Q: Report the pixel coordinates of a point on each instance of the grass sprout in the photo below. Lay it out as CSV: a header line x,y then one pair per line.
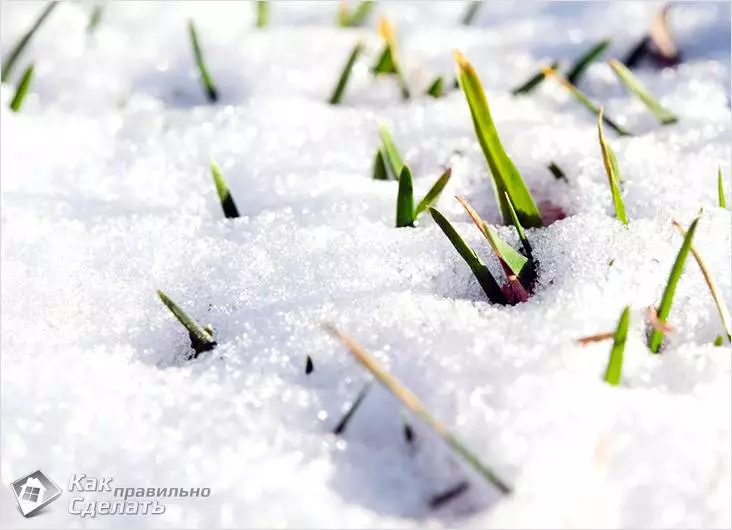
x,y
309,367
414,405
389,57
434,193
615,363
718,340
348,416
95,18
534,81
635,87
506,177
22,89
208,84
436,89
557,171
656,336
222,189
713,289
201,337
262,7
470,12
11,59
582,98
340,87
578,69
388,163
406,212
519,229
610,162
720,189
356,18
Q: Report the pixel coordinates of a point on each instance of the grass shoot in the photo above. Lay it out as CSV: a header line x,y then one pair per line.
x,y
578,69
610,162
470,12
720,189
262,7
348,416
615,363
358,17
534,81
388,163
22,89
309,367
340,87
557,171
407,213
11,59
436,89
638,89
95,17
222,189
208,84
392,65
201,337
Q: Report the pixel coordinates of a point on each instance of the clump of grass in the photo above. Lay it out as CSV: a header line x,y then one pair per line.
x,y
615,363
348,416
262,7
557,171
388,163
635,87
356,18
656,336
211,93
506,178
720,189
414,405
658,44
436,88
610,162
11,59
95,18
222,189
582,98
583,62
309,367
201,337
22,89
470,12
406,212
388,62
340,87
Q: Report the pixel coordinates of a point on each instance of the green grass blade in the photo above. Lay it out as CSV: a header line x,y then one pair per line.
x,y
390,153
360,14
10,60
673,280
436,89
384,64
480,271
724,315
470,12
519,229
340,88
222,189
611,168
22,89
615,363
718,340
405,199
95,18
582,98
533,82
201,338
388,34
348,416
208,84
638,89
379,172
506,177
720,189
262,7
414,405
434,193
580,66
557,171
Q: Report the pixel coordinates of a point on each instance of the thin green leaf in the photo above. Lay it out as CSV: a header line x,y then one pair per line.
x,y
615,363
533,82
22,89
262,7
480,271
506,177
405,199
222,189
470,12
11,58
434,193
95,18
557,172
436,89
384,64
390,153
720,189
638,89
667,299
201,338
380,172
413,404
580,66
340,88
208,84
348,416
724,315
582,98
610,162
386,30
519,229
359,15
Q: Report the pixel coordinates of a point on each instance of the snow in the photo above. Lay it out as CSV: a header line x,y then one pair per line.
x,y
106,196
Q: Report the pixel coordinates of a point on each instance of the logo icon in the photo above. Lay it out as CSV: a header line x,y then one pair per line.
x,y
34,491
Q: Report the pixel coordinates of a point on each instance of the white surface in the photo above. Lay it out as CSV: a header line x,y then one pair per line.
x,y
106,196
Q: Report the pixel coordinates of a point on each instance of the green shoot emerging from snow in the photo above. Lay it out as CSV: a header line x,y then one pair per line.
x,y
309,367
201,338
557,171
578,68
388,62
414,405
506,177
407,213
95,18
638,89
610,162
582,98
667,299
388,163
10,60
262,7
227,201
348,416
533,82
206,79
519,229
720,189
615,363
22,89
340,88
359,15
437,89
470,12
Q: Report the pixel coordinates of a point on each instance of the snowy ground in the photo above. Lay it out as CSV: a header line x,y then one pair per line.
x,y
106,196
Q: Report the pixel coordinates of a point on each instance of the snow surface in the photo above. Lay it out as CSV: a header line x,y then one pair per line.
x,y
106,196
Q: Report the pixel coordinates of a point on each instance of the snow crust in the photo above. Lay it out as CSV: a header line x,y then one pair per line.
x,y
106,196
